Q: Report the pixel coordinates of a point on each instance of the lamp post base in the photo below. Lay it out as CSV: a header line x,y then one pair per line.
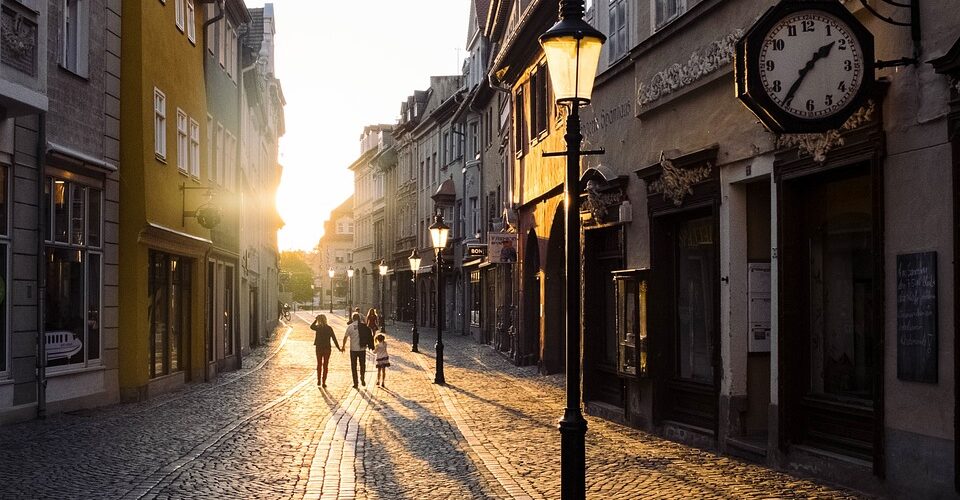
x,y
416,339
438,377
573,430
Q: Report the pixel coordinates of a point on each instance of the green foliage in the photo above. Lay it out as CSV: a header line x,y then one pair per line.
x,y
296,276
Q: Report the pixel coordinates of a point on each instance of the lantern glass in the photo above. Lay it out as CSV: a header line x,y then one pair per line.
x,y
330,272
383,268
573,65
414,261
350,272
439,233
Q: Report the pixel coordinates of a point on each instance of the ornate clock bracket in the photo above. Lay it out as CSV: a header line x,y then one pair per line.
x,y
913,24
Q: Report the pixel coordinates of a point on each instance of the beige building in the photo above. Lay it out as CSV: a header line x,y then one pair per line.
x,y
369,213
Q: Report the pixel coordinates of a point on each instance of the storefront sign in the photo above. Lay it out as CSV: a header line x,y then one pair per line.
x,y
476,251
502,247
917,317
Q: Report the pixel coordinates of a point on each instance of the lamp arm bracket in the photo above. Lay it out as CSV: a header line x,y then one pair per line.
x,y
548,154
913,24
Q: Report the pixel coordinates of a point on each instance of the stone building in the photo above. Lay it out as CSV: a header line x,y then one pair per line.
x,y
261,126
81,205
772,270
369,212
335,251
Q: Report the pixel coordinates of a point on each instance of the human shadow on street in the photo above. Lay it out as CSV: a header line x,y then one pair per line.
x,y
422,435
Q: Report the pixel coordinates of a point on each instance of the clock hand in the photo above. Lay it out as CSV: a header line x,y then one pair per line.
x,y
819,54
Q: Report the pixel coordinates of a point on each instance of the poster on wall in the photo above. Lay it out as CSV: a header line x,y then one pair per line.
x,y
917,317
759,307
501,247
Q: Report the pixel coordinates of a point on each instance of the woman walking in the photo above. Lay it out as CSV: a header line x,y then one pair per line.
x,y
321,342
373,321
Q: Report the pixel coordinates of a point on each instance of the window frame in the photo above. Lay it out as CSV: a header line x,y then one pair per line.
x,y
657,23
183,160
194,155
180,15
160,124
191,21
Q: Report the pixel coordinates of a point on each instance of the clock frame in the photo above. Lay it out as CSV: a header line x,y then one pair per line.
x,y
749,82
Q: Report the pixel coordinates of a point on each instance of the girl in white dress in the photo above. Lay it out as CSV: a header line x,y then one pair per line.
x,y
383,359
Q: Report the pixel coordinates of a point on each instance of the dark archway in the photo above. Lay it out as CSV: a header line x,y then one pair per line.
x,y
553,338
528,344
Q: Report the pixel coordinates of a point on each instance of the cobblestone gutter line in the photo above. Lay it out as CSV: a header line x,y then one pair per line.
x,y
333,470
165,475
517,487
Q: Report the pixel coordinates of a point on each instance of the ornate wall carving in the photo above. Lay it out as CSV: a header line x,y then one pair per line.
x,y
818,145
18,41
700,64
676,183
600,202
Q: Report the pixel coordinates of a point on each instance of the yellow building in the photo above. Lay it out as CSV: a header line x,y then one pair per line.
x,y
163,245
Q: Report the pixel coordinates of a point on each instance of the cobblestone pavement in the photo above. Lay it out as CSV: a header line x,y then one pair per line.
x,y
267,431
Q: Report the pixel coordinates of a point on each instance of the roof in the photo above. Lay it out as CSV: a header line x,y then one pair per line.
x,y
255,31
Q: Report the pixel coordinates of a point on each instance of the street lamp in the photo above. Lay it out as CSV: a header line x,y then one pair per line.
x,y
350,285
330,273
438,235
572,48
383,291
415,266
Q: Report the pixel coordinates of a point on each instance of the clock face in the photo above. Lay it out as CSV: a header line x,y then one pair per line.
x,y
811,64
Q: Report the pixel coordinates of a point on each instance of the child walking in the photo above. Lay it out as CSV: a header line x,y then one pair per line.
x,y
383,359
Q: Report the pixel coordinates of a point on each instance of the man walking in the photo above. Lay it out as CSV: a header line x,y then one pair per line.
x,y
360,338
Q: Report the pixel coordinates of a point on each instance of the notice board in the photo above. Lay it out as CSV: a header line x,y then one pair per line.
x,y
917,317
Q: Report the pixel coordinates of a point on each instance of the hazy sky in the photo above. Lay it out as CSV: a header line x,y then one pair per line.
x,y
343,65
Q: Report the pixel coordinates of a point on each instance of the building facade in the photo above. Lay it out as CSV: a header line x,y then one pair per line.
x,y
335,251
369,213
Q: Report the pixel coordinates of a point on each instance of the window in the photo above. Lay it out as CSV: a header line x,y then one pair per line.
x,y
183,154
540,119
181,12
218,175
667,10
617,39
230,51
4,260
73,272
211,173
211,38
191,21
474,140
160,124
534,86
194,148
221,37
169,293
521,124
74,36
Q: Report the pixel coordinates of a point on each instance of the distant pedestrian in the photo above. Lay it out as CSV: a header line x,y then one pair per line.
x,y
382,358
321,342
373,320
360,340
356,310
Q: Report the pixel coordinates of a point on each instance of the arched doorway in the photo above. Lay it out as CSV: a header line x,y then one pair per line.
x,y
528,345
553,337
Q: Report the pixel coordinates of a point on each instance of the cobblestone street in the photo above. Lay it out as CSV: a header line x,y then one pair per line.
x,y
268,431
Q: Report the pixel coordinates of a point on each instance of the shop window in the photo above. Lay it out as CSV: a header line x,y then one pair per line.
x,y
695,299
632,342
169,294
475,298
73,263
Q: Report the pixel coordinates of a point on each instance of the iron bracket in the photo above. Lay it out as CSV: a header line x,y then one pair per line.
x,y
913,24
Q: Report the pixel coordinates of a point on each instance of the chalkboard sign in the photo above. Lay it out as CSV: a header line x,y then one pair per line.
x,y
917,317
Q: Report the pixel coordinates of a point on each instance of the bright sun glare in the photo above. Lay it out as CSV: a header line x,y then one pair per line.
x,y
370,64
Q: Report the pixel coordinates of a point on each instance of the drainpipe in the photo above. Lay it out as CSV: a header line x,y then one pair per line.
x,y
219,16
41,275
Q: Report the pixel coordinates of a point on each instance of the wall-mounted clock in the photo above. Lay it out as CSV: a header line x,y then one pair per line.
x,y
805,66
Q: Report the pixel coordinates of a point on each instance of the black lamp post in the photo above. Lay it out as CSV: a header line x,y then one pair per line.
x,y
331,272
383,291
572,48
415,266
438,235
350,286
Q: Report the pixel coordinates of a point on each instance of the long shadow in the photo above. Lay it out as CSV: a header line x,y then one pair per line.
x,y
513,411
422,437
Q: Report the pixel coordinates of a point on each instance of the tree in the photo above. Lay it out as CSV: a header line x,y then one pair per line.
x,y
296,276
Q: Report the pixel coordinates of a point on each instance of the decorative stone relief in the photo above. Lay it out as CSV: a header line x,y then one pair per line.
x,y
700,64
599,203
676,183
18,39
818,145
955,84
